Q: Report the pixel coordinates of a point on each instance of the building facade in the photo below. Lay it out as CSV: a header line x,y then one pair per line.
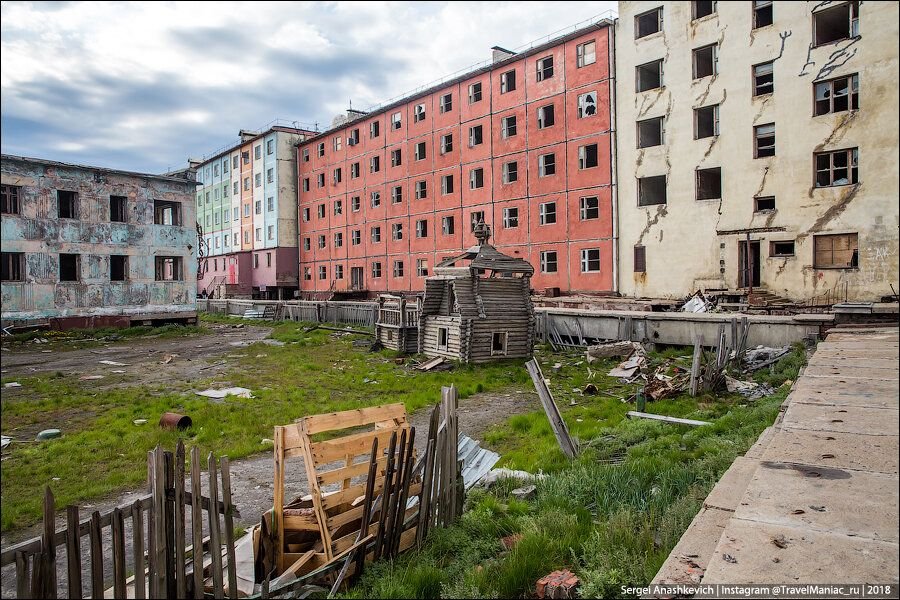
x,y
247,212
88,246
761,147
524,145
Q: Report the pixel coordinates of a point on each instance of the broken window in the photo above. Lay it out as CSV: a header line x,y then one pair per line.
x,y
839,167
763,78
375,199
547,213
544,68
306,214
549,261
338,239
446,103
396,158
397,194
420,151
338,207
374,164
397,231
475,93
118,209
338,271
320,209
587,156
398,268
307,243
763,203
356,237
640,259
476,178
353,137
546,165
477,217
837,95
510,218
396,120
764,140
13,266
443,335
650,132
446,184
337,176
245,155
508,127
781,248
587,105
67,204
354,170
836,23
709,184
421,190
836,251
354,204
446,143
700,9
422,228
169,268
447,225
374,129
651,190
376,234
586,54
706,61
320,181
476,136
307,273
590,260
118,267
545,116
419,113
69,267
706,122
421,267
166,213
507,82
323,272
649,76
648,23
498,343
590,208
9,205
510,172
762,13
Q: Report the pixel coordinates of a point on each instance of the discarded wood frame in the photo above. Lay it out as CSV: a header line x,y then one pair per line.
x,y
560,430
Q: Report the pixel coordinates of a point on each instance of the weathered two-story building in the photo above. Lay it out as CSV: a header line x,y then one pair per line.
x,y
88,246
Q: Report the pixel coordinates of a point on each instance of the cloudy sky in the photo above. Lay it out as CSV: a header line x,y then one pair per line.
x,y
142,86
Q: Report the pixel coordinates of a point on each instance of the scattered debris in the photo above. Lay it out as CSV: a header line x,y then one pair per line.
x,y
140,421
171,420
729,559
90,377
267,442
630,367
112,363
496,475
12,384
780,541
476,461
232,391
48,434
271,342
610,350
167,359
697,304
558,584
118,371
5,441
589,390
763,356
524,493
641,415
399,360
430,364
749,389
566,443
817,508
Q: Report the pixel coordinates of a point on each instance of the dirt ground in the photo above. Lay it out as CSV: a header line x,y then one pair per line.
x,y
252,486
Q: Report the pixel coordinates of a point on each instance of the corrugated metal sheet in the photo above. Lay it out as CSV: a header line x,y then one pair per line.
x,y
477,461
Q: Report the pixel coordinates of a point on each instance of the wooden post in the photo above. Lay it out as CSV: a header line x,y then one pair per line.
x,y
169,512
180,583
159,587
229,528
695,365
404,494
118,552
196,523
48,546
278,510
22,577
73,551
137,538
97,587
550,408
215,543
385,494
367,506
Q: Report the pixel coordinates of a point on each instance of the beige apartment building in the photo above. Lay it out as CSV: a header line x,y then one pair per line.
x,y
757,147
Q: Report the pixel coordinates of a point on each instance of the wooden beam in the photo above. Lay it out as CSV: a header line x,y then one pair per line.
x,y
633,413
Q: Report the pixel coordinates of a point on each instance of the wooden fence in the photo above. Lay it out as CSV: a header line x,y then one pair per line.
x,y
163,563
359,314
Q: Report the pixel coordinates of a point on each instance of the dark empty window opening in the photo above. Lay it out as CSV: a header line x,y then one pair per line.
x,y
118,267
763,203
68,267
649,76
839,167
545,68
118,209
709,184
764,140
781,248
443,335
588,156
837,95
507,82
651,190
763,79
166,213
836,251
650,132
640,259
706,122
10,199
705,59
13,266
762,13
545,116
498,343
703,9
168,268
648,23
68,204
476,136
836,23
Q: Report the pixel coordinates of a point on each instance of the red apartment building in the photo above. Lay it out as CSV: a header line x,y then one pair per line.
x,y
524,144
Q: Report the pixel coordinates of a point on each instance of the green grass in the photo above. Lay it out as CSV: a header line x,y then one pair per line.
x,y
102,451
612,524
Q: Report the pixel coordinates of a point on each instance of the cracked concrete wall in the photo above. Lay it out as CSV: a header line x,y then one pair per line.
x,y
693,244
41,237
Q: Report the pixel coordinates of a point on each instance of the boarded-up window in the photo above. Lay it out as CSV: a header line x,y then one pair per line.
x,y
640,259
836,251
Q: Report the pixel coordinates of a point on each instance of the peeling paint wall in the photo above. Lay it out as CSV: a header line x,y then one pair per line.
x,y
693,244
41,236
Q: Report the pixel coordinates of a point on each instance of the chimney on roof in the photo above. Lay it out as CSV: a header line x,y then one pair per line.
x,y
499,54
353,114
246,134
194,163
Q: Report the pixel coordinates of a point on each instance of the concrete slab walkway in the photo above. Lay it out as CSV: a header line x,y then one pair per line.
x,y
816,498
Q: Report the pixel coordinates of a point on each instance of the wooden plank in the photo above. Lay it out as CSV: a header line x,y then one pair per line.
x,y
359,443
278,495
695,365
556,421
642,415
137,540
298,564
151,526
425,495
355,418
118,553
215,544
22,577
385,494
368,503
229,528
180,541
404,493
159,588
300,523
310,465
73,552
48,546
169,512
354,470
36,589
97,587
390,507
196,524
348,516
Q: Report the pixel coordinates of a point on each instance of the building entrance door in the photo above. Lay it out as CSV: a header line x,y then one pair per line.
x,y
356,278
748,264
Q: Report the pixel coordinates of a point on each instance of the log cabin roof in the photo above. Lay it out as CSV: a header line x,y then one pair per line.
x,y
485,257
